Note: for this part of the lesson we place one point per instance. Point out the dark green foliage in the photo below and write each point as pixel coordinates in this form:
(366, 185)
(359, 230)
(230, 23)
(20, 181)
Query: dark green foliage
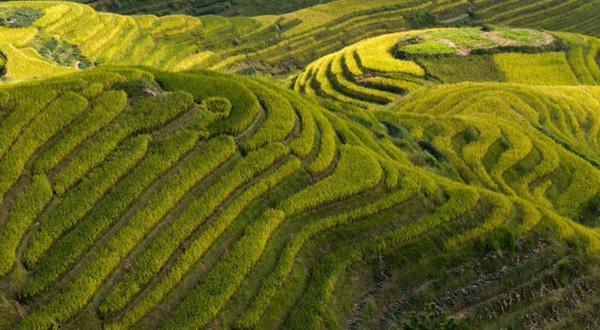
(431, 319)
(493, 154)
(85, 64)
(247, 71)
(503, 238)
(64, 54)
(421, 20)
(488, 28)
(430, 148)
(589, 212)
(142, 87)
(471, 134)
(17, 17)
(205, 7)
(2, 65)
(453, 69)
(395, 131)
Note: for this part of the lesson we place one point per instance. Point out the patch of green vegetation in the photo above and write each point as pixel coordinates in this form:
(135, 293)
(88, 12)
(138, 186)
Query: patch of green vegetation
(464, 41)
(421, 20)
(2, 65)
(18, 17)
(589, 212)
(218, 105)
(164, 179)
(64, 54)
(454, 69)
(204, 7)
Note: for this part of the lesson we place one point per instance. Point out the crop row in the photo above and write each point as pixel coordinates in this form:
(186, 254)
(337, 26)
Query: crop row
(146, 114)
(95, 269)
(167, 241)
(302, 145)
(22, 213)
(499, 214)
(97, 44)
(327, 145)
(29, 101)
(576, 56)
(58, 115)
(567, 118)
(280, 121)
(103, 110)
(341, 184)
(198, 247)
(201, 305)
(161, 156)
(306, 314)
(245, 103)
(342, 75)
(79, 201)
(251, 316)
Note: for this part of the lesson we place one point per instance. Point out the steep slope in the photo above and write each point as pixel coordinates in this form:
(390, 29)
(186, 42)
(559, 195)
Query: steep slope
(410, 176)
(200, 199)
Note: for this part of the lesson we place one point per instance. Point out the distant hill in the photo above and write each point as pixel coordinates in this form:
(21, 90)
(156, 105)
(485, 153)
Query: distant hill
(281, 43)
(202, 7)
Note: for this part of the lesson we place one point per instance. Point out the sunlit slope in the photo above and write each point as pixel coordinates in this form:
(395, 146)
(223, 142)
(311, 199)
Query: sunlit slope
(274, 43)
(379, 70)
(173, 42)
(135, 198)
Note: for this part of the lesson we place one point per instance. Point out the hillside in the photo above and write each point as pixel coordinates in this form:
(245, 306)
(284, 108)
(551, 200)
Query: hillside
(201, 7)
(136, 193)
(373, 165)
(376, 71)
(278, 44)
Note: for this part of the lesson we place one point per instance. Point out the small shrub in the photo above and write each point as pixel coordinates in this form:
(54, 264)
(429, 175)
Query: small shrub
(394, 131)
(431, 149)
(488, 28)
(139, 87)
(219, 105)
(503, 238)
(471, 134)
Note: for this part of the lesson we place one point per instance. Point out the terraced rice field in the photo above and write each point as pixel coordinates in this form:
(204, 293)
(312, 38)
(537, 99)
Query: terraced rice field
(144, 205)
(378, 71)
(441, 175)
(287, 41)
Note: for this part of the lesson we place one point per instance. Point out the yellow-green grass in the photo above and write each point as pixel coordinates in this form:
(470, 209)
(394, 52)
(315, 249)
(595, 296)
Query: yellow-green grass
(303, 35)
(536, 69)
(193, 213)
(320, 200)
